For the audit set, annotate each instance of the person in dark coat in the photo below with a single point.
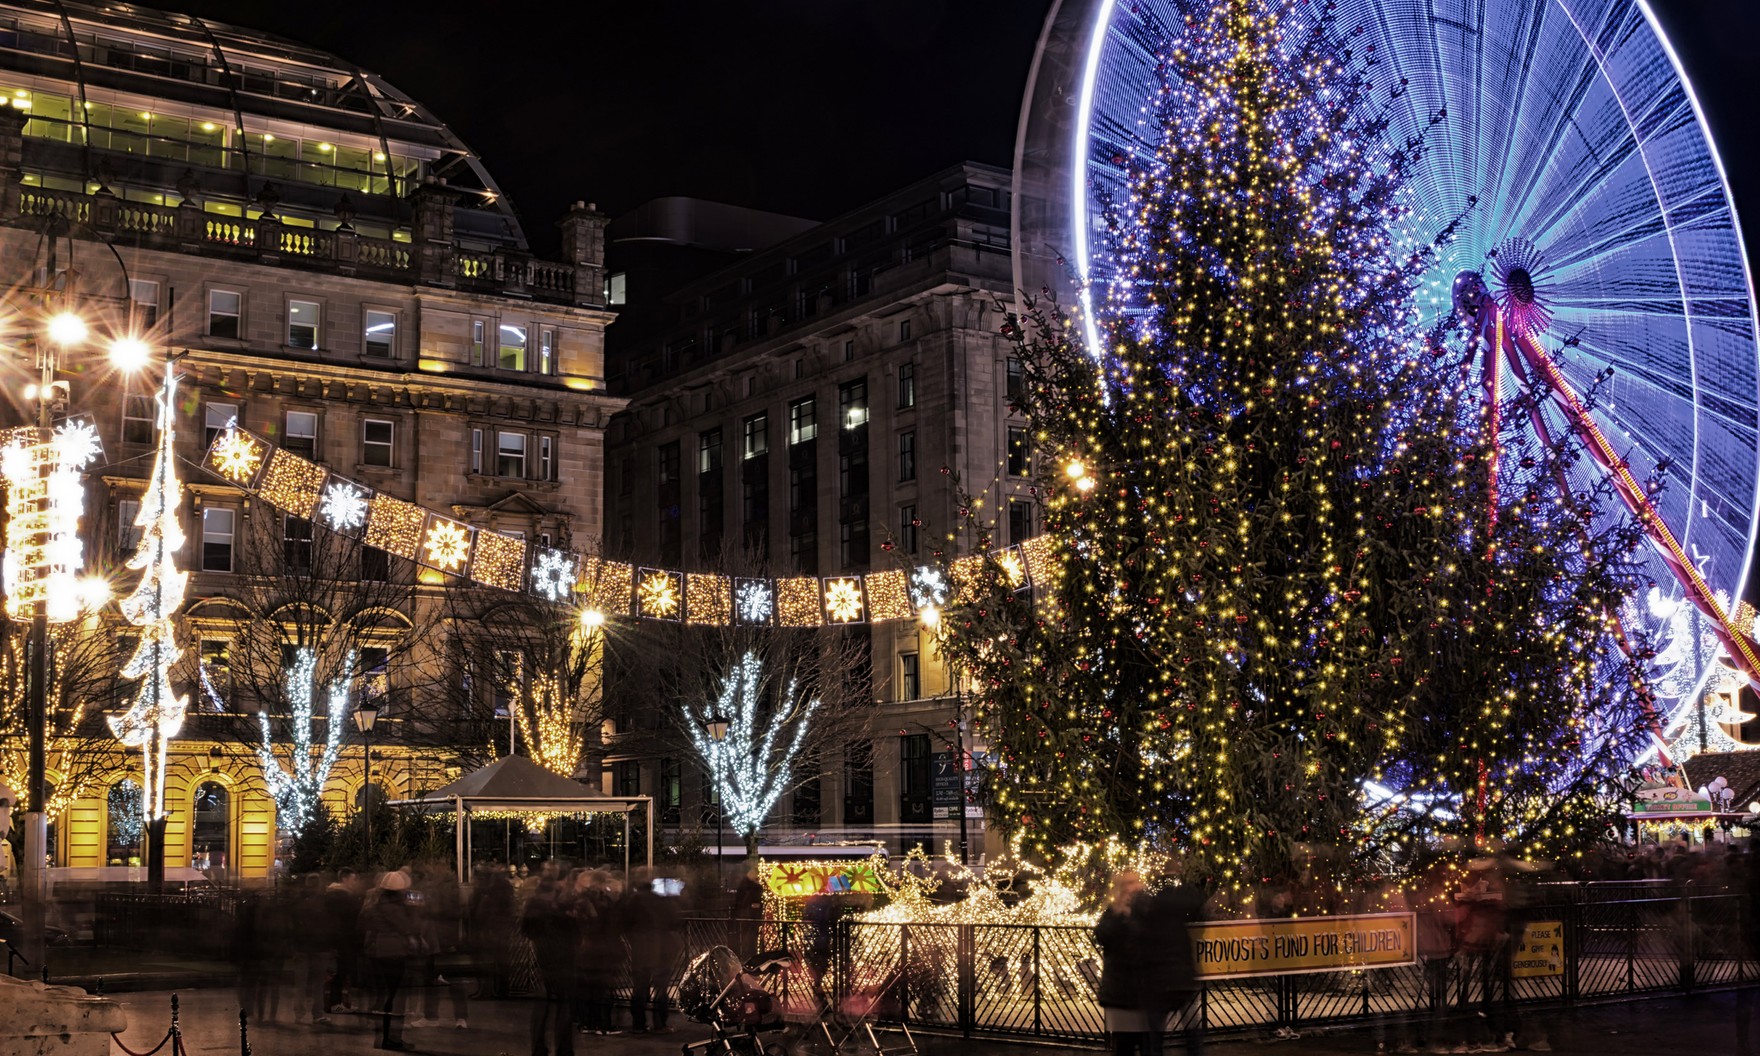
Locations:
(340, 922)
(1169, 979)
(655, 933)
(601, 952)
(549, 921)
(393, 930)
(490, 917)
(1116, 934)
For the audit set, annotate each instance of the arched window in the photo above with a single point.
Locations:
(125, 845)
(211, 830)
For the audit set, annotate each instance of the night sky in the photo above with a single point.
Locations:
(809, 107)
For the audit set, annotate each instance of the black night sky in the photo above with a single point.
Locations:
(808, 107)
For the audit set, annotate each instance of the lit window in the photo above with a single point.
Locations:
(910, 680)
(302, 324)
(513, 347)
(547, 350)
(216, 660)
(215, 418)
(510, 454)
(301, 436)
(546, 458)
(802, 423)
(709, 451)
(852, 400)
(381, 334)
(217, 525)
(128, 533)
(224, 309)
(757, 435)
(376, 440)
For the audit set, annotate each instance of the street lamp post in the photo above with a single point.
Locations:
(717, 727)
(365, 717)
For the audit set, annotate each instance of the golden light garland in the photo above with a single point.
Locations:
(549, 724)
(889, 596)
(499, 560)
(292, 484)
(967, 574)
(608, 586)
(708, 599)
(797, 601)
(843, 600)
(659, 595)
(1037, 554)
(395, 526)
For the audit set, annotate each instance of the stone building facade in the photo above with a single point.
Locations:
(815, 403)
(339, 274)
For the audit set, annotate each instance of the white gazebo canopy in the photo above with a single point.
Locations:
(515, 784)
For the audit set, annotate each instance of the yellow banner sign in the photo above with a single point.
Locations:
(1541, 952)
(1232, 949)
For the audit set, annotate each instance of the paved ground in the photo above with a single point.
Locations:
(1701, 1026)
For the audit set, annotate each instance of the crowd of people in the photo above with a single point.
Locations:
(390, 949)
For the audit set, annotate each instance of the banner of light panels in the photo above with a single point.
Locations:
(300, 487)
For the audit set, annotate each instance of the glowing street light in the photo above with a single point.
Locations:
(67, 329)
(130, 354)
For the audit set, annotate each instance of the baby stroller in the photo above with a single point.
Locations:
(733, 1000)
(851, 1028)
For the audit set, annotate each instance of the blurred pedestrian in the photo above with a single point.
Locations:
(548, 921)
(392, 930)
(443, 917)
(1116, 934)
(1485, 946)
(490, 918)
(601, 952)
(818, 917)
(654, 931)
(747, 910)
(340, 927)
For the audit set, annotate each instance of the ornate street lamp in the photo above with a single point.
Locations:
(365, 718)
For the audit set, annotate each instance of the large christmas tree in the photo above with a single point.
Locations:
(1287, 606)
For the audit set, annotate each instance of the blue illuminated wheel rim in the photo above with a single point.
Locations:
(1573, 126)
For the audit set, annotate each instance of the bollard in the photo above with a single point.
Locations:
(244, 1033)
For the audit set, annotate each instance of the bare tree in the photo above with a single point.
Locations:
(315, 623)
(83, 661)
(791, 698)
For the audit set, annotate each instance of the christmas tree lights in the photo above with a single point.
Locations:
(1288, 559)
(155, 714)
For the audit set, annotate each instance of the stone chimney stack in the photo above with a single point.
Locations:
(583, 245)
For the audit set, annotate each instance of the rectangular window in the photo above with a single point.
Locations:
(671, 790)
(546, 458)
(1020, 521)
(512, 347)
(904, 330)
(910, 684)
(858, 783)
(476, 450)
(802, 423)
(709, 451)
(479, 343)
(907, 385)
(803, 550)
(375, 673)
(143, 305)
(907, 455)
(128, 533)
(137, 419)
(377, 437)
(1017, 379)
(807, 794)
(216, 661)
(224, 309)
(381, 334)
(547, 350)
(1020, 453)
(296, 543)
(217, 539)
(666, 458)
(627, 777)
(914, 794)
(301, 436)
(302, 324)
(907, 529)
(853, 538)
(757, 435)
(215, 418)
(510, 454)
(849, 351)
(852, 401)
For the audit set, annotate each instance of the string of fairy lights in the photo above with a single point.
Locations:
(295, 485)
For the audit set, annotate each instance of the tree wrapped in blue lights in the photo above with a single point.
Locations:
(1288, 606)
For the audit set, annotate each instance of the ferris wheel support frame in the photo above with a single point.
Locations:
(1520, 350)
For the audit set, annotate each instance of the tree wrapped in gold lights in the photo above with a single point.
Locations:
(82, 675)
(1286, 606)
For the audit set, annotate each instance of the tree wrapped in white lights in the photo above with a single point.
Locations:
(297, 787)
(155, 715)
(752, 764)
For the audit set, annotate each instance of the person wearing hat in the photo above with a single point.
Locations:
(393, 935)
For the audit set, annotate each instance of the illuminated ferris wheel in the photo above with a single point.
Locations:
(1596, 233)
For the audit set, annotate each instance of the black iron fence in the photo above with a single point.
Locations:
(199, 925)
(1040, 981)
